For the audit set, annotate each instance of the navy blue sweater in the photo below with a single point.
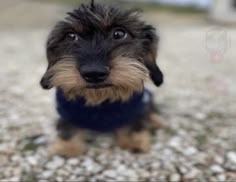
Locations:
(106, 116)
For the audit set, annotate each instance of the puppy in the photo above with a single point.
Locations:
(98, 59)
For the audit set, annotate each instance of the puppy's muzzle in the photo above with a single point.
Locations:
(94, 74)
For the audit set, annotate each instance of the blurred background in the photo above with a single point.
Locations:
(197, 101)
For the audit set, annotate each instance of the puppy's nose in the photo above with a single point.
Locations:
(94, 74)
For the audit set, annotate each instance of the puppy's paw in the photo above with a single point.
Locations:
(155, 121)
(137, 142)
(67, 148)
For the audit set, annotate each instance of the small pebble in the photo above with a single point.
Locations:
(55, 163)
(192, 174)
(190, 151)
(175, 178)
(32, 160)
(110, 173)
(73, 161)
(231, 156)
(216, 169)
(221, 177)
(47, 174)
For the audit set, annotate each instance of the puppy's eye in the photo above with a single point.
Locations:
(72, 37)
(119, 34)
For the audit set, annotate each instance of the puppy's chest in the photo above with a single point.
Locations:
(105, 117)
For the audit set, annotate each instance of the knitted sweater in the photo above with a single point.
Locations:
(106, 116)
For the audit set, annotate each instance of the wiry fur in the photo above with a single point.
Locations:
(94, 25)
(130, 61)
(127, 76)
(135, 141)
(69, 148)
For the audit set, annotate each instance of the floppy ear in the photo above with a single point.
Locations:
(151, 45)
(50, 50)
(45, 81)
(51, 45)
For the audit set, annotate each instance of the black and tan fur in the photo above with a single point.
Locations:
(85, 38)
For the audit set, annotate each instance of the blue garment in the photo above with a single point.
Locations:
(106, 116)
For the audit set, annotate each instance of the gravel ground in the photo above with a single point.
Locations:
(197, 103)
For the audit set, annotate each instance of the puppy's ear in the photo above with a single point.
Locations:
(50, 50)
(151, 45)
(45, 81)
(54, 37)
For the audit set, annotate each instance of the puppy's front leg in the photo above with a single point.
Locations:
(133, 138)
(69, 142)
(155, 122)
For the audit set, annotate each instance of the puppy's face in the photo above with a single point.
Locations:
(101, 53)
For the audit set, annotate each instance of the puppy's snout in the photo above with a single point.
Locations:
(94, 74)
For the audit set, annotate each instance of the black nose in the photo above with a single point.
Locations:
(94, 74)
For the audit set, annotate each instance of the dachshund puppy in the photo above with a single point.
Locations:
(98, 60)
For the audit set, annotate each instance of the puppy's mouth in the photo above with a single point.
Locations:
(99, 86)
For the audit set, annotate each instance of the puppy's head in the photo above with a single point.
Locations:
(100, 53)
